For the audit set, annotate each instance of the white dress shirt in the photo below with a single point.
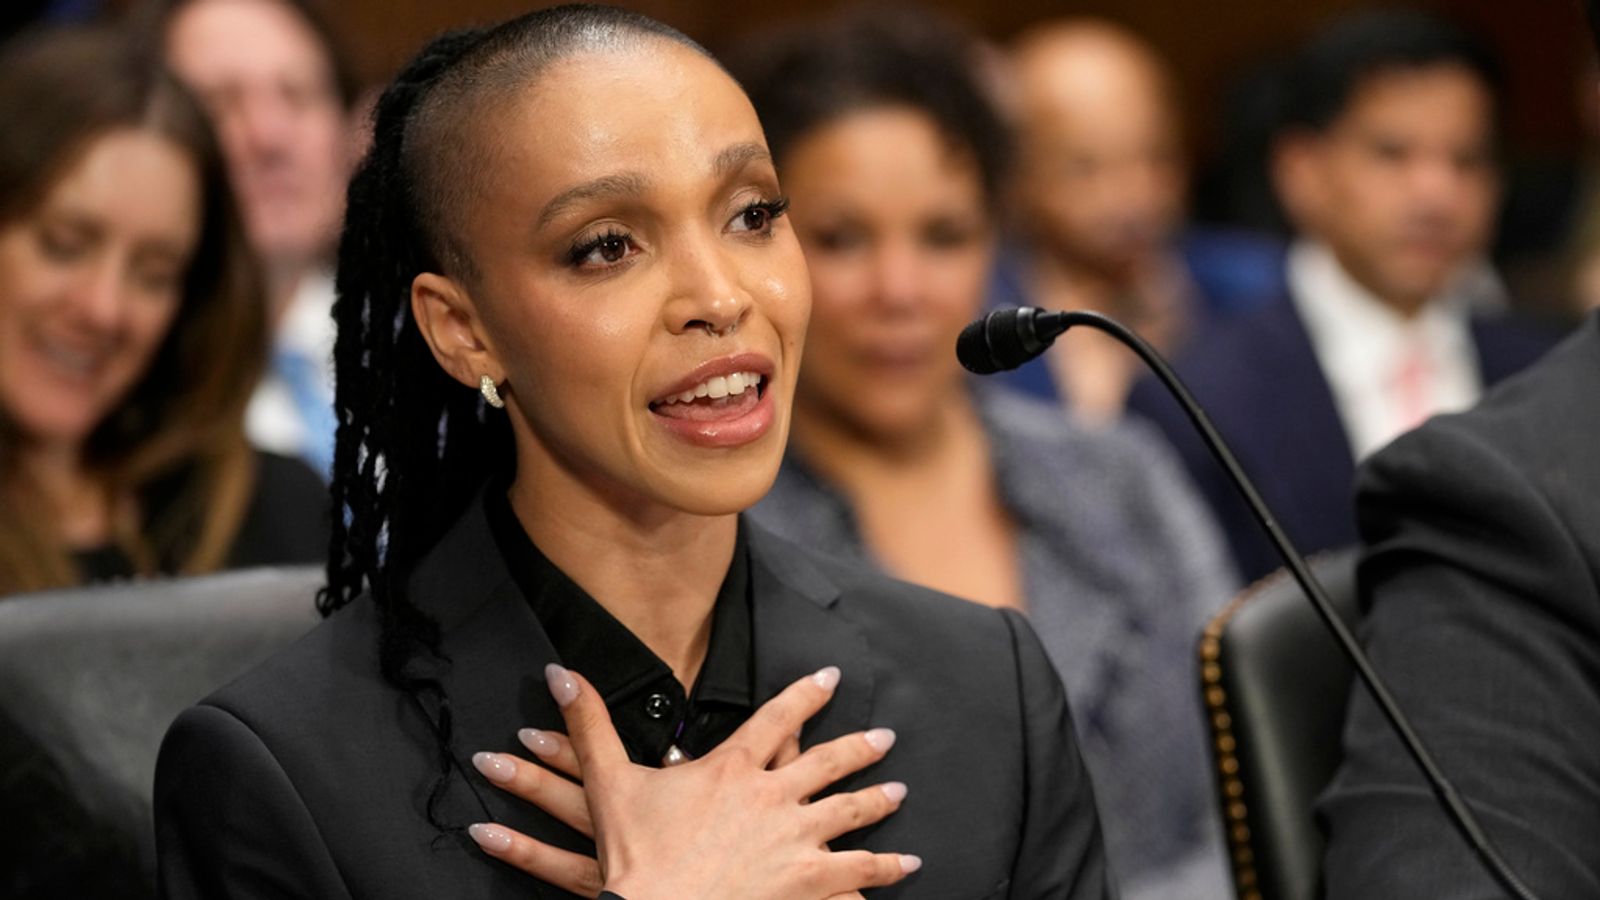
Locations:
(1388, 372)
(291, 411)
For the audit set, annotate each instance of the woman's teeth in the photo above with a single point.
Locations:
(717, 388)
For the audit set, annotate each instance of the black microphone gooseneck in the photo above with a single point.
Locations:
(1008, 338)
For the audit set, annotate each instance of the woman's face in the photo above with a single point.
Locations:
(899, 239)
(90, 281)
(639, 287)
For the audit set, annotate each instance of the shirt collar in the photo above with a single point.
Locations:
(1350, 327)
(588, 639)
(1361, 344)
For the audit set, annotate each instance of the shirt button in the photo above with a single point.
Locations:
(657, 706)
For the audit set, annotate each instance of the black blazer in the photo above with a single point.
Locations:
(1482, 591)
(1257, 377)
(308, 777)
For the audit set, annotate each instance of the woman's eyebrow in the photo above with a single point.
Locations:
(621, 184)
(731, 159)
(737, 156)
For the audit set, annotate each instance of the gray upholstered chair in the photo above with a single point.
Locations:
(90, 678)
(1275, 686)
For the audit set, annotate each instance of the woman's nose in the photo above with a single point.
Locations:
(707, 293)
(99, 300)
(721, 318)
(900, 275)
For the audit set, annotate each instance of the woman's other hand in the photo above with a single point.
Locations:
(735, 823)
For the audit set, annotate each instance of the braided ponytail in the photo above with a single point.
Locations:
(413, 446)
(397, 411)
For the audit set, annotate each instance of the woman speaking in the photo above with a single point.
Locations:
(570, 314)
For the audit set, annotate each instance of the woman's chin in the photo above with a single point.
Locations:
(64, 425)
(706, 481)
(726, 501)
(723, 490)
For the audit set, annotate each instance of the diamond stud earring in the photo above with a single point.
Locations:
(491, 393)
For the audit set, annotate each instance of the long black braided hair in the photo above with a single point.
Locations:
(414, 445)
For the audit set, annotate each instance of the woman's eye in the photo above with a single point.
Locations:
(605, 250)
(157, 283)
(612, 249)
(839, 240)
(61, 247)
(757, 217)
(947, 235)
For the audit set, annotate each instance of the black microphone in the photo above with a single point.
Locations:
(1007, 338)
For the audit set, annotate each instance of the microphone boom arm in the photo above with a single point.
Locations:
(1460, 815)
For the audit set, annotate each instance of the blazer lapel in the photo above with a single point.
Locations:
(798, 629)
(1309, 427)
(494, 680)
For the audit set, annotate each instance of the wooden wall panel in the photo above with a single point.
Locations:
(1210, 42)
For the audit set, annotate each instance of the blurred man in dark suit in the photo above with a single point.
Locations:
(1386, 164)
(1481, 587)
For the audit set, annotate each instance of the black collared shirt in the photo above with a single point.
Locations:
(648, 705)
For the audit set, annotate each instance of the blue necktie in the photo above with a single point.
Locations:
(303, 376)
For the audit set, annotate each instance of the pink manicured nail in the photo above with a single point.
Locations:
(542, 745)
(827, 678)
(496, 768)
(495, 839)
(908, 863)
(881, 739)
(563, 686)
(894, 790)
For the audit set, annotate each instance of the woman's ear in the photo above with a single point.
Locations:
(450, 323)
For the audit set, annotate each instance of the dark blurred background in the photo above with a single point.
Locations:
(1215, 45)
(1223, 52)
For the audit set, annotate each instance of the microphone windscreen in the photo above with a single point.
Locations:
(972, 348)
(1011, 341)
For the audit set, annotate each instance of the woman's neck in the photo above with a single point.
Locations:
(79, 500)
(657, 572)
(927, 503)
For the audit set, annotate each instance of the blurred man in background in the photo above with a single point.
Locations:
(1480, 590)
(276, 86)
(1386, 166)
(1098, 205)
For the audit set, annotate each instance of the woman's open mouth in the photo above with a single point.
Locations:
(718, 411)
(714, 399)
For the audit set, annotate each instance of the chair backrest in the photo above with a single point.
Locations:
(1275, 686)
(91, 677)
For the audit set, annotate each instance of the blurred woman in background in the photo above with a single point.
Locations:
(131, 333)
(892, 157)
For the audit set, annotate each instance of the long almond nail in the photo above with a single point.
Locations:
(495, 839)
(880, 739)
(542, 745)
(496, 768)
(827, 678)
(563, 686)
(909, 863)
(894, 790)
